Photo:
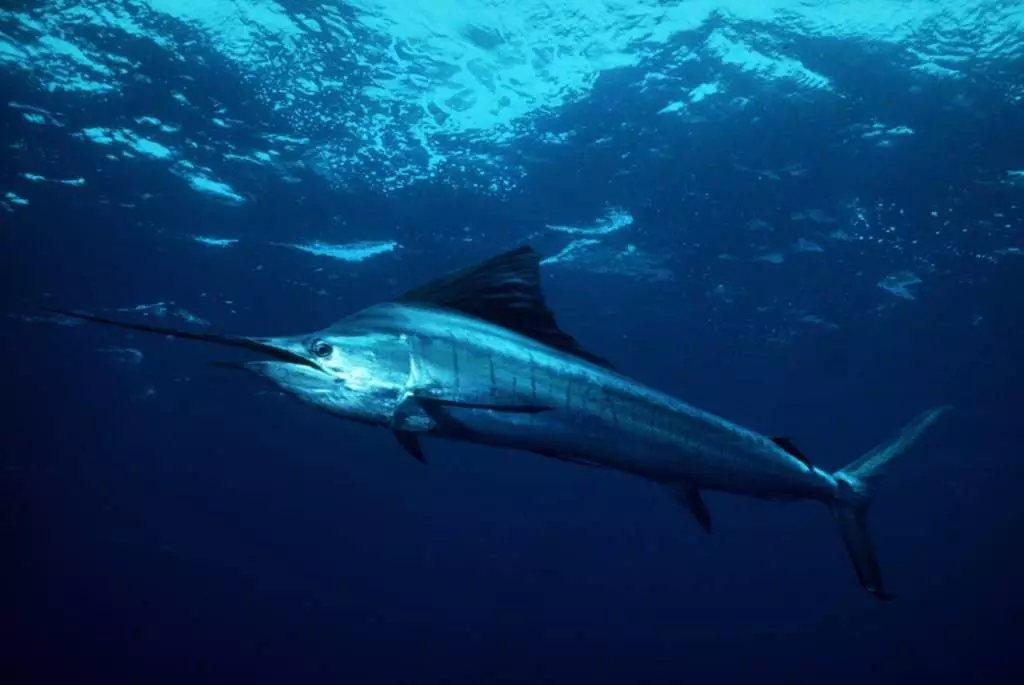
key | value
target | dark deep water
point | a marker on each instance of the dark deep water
(167, 521)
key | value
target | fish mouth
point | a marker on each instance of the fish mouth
(275, 348)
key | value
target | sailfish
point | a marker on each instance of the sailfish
(478, 356)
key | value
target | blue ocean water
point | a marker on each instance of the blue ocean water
(805, 217)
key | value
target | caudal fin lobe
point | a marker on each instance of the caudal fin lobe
(857, 484)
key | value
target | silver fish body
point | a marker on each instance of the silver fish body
(592, 414)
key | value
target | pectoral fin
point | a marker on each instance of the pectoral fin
(418, 412)
(423, 396)
(411, 443)
(410, 416)
(689, 496)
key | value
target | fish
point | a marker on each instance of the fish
(478, 356)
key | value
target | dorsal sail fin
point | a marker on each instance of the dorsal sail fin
(503, 290)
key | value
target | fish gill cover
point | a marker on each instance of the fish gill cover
(789, 191)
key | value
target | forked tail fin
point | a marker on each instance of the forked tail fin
(857, 483)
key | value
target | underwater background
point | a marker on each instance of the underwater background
(805, 217)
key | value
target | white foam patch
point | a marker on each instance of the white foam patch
(592, 255)
(201, 180)
(191, 318)
(731, 50)
(144, 146)
(153, 121)
(217, 189)
(212, 241)
(772, 258)
(672, 107)
(165, 309)
(347, 252)
(258, 157)
(805, 245)
(591, 251)
(815, 320)
(15, 199)
(881, 134)
(36, 115)
(900, 284)
(613, 221)
(37, 178)
(570, 251)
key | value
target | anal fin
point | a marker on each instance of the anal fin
(689, 496)
(411, 442)
(787, 444)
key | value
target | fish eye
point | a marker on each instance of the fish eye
(321, 349)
